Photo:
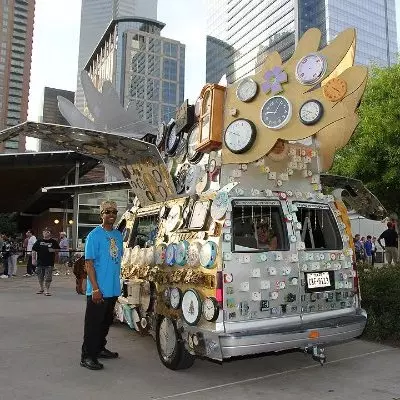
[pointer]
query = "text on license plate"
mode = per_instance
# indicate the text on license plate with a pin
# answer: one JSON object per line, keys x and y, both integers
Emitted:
{"x": 318, "y": 279}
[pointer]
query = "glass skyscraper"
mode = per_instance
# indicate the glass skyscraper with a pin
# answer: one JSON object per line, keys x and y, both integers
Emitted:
{"x": 96, "y": 15}
{"x": 245, "y": 31}
{"x": 16, "y": 34}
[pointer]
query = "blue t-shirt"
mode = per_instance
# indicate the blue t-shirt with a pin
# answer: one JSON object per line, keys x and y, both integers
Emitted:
{"x": 368, "y": 248}
{"x": 105, "y": 248}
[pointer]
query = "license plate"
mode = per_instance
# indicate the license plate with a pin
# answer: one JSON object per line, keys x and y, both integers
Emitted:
{"x": 318, "y": 280}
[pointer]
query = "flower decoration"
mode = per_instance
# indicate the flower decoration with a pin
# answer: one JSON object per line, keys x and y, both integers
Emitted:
{"x": 273, "y": 79}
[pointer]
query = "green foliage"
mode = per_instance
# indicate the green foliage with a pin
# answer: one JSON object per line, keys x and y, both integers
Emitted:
{"x": 8, "y": 224}
{"x": 373, "y": 153}
{"x": 380, "y": 291}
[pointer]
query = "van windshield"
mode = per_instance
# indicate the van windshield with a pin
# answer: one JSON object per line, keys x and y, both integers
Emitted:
{"x": 145, "y": 231}
{"x": 319, "y": 229}
{"x": 258, "y": 226}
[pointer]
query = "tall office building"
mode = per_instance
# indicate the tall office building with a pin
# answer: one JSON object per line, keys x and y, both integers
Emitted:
{"x": 16, "y": 34}
{"x": 145, "y": 68}
{"x": 96, "y": 15}
{"x": 251, "y": 29}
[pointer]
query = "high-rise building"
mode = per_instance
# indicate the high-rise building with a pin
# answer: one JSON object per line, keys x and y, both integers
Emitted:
{"x": 16, "y": 34}
{"x": 251, "y": 29}
{"x": 51, "y": 113}
{"x": 145, "y": 68}
{"x": 96, "y": 15}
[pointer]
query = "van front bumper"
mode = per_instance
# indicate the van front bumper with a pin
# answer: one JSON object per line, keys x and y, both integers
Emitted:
{"x": 322, "y": 332}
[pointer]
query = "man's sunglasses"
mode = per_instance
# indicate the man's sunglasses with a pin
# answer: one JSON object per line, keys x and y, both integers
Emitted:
{"x": 115, "y": 212}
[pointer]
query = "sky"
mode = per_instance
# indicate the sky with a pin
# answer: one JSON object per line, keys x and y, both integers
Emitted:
{"x": 56, "y": 44}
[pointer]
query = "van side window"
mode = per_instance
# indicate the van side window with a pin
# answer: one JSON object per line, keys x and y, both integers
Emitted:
{"x": 319, "y": 229}
{"x": 258, "y": 226}
{"x": 144, "y": 231}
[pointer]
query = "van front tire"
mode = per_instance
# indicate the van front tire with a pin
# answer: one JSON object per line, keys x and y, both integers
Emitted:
{"x": 170, "y": 346}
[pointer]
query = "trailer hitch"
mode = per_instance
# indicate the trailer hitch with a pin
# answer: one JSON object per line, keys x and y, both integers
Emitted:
{"x": 317, "y": 353}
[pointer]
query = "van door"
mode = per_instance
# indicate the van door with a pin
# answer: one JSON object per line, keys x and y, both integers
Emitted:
{"x": 326, "y": 273}
{"x": 260, "y": 265}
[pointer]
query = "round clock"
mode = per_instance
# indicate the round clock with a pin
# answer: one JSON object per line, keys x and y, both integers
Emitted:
{"x": 175, "y": 298}
{"x": 240, "y": 135}
{"x": 191, "y": 307}
{"x": 246, "y": 90}
{"x": 193, "y": 156}
{"x": 311, "y": 68}
{"x": 167, "y": 296}
{"x": 208, "y": 254}
{"x": 219, "y": 205}
{"x": 174, "y": 218}
{"x": 194, "y": 254}
{"x": 210, "y": 309}
{"x": 134, "y": 255}
{"x": 160, "y": 254}
{"x": 335, "y": 89}
{"x": 180, "y": 179}
{"x": 149, "y": 256}
{"x": 311, "y": 112}
{"x": 181, "y": 252}
{"x": 170, "y": 254}
{"x": 172, "y": 140}
{"x": 162, "y": 130}
{"x": 203, "y": 182}
{"x": 276, "y": 112}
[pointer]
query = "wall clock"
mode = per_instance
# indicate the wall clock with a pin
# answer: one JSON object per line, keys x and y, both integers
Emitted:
{"x": 208, "y": 254}
{"x": 219, "y": 205}
{"x": 311, "y": 68}
{"x": 214, "y": 164}
{"x": 174, "y": 218}
{"x": 210, "y": 309}
{"x": 246, "y": 90}
{"x": 311, "y": 112}
{"x": 180, "y": 179}
{"x": 193, "y": 155}
{"x": 199, "y": 214}
{"x": 181, "y": 151}
{"x": 202, "y": 182}
{"x": 240, "y": 135}
{"x": 175, "y": 298}
{"x": 160, "y": 254}
{"x": 172, "y": 140}
{"x": 170, "y": 254}
{"x": 181, "y": 252}
{"x": 162, "y": 130}
{"x": 194, "y": 254}
{"x": 335, "y": 89}
{"x": 276, "y": 112}
{"x": 192, "y": 175}
{"x": 191, "y": 307}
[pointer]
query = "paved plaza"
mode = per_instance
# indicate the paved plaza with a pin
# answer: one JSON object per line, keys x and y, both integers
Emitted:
{"x": 40, "y": 339}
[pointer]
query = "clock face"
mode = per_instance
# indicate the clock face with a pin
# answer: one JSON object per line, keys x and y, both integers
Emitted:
{"x": 210, "y": 309}
{"x": 219, "y": 205}
{"x": 194, "y": 254}
{"x": 199, "y": 214}
{"x": 202, "y": 182}
{"x": 191, "y": 307}
{"x": 310, "y": 69}
{"x": 193, "y": 140}
{"x": 174, "y": 218}
{"x": 181, "y": 252}
{"x": 208, "y": 254}
{"x": 175, "y": 298}
{"x": 162, "y": 128}
{"x": 335, "y": 89}
{"x": 192, "y": 175}
{"x": 276, "y": 112}
{"x": 311, "y": 112}
{"x": 246, "y": 90}
{"x": 240, "y": 135}
{"x": 170, "y": 254}
{"x": 172, "y": 140}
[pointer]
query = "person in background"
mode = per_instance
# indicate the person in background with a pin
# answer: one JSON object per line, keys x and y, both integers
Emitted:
{"x": 5, "y": 251}
{"x": 64, "y": 253}
{"x": 43, "y": 256}
{"x": 103, "y": 253}
{"x": 373, "y": 250}
{"x": 12, "y": 260}
{"x": 390, "y": 236}
{"x": 368, "y": 249}
{"x": 30, "y": 268}
{"x": 359, "y": 249}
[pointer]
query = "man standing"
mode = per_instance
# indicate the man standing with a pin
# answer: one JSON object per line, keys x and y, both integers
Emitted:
{"x": 390, "y": 248}
{"x": 30, "y": 268}
{"x": 359, "y": 248}
{"x": 43, "y": 256}
{"x": 368, "y": 249}
{"x": 103, "y": 253}
{"x": 6, "y": 253}
{"x": 64, "y": 252}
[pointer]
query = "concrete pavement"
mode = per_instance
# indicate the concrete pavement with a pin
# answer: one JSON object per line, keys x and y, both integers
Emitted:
{"x": 40, "y": 339}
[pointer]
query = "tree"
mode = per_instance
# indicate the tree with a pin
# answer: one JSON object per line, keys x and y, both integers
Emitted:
{"x": 373, "y": 153}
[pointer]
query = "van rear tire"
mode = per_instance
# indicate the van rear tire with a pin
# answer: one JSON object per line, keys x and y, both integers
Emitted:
{"x": 170, "y": 346}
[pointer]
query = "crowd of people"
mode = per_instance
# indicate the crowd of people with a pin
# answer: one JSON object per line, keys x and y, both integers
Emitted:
{"x": 366, "y": 248}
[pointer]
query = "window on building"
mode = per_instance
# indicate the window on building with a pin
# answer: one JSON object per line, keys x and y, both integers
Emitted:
{"x": 170, "y": 69}
{"x": 170, "y": 49}
{"x": 169, "y": 93}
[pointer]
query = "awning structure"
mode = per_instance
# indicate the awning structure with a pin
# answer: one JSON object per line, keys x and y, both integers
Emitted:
{"x": 87, "y": 188}
{"x": 24, "y": 174}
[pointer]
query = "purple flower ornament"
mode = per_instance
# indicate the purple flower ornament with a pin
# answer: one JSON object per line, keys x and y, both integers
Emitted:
{"x": 273, "y": 79}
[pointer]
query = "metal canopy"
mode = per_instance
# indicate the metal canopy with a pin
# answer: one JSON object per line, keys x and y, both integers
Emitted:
{"x": 87, "y": 187}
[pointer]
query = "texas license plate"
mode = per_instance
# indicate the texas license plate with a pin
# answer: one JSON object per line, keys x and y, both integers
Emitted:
{"x": 318, "y": 280}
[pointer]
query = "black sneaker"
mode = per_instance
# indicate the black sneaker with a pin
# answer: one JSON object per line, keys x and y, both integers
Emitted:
{"x": 92, "y": 364}
{"x": 105, "y": 353}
